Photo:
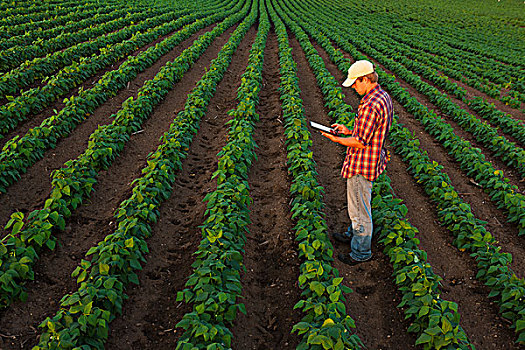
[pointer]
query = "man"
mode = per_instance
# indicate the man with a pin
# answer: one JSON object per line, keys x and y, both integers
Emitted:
{"x": 365, "y": 159}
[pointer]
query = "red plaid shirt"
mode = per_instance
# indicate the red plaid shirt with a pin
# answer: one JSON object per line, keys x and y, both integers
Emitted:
{"x": 372, "y": 123}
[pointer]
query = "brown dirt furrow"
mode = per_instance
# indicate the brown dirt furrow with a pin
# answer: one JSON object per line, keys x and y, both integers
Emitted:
{"x": 41, "y": 83}
{"x": 373, "y": 303}
{"x": 511, "y": 173}
{"x": 484, "y": 326}
{"x": 59, "y": 104}
{"x": 30, "y": 192}
{"x": 461, "y": 104}
{"x": 151, "y": 313}
{"x": 481, "y": 204}
{"x": 269, "y": 284}
{"x": 472, "y": 92}
{"x": 94, "y": 220}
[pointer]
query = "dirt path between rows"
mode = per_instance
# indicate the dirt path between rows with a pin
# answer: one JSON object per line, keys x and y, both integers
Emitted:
{"x": 481, "y": 204}
{"x": 269, "y": 283}
{"x": 484, "y": 326}
{"x": 94, "y": 220}
{"x": 31, "y": 190}
{"x": 373, "y": 303}
{"x": 151, "y": 313}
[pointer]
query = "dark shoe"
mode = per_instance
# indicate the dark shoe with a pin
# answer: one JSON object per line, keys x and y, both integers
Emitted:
{"x": 348, "y": 260}
{"x": 342, "y": 237}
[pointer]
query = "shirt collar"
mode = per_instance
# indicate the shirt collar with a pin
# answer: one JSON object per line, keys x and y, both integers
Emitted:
{"x": 370, "y": 93}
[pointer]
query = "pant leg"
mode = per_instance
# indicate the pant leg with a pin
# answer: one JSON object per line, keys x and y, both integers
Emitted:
{"x": 359, "y": 195}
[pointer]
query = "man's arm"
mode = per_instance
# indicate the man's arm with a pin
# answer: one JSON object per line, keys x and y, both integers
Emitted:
{"x": 345, "y": 141}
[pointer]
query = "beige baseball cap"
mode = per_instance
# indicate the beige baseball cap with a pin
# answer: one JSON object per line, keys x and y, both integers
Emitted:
{"x": 356, "y": 70}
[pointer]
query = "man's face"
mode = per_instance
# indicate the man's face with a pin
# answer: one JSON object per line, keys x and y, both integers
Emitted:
{"x": 359, "y": 86}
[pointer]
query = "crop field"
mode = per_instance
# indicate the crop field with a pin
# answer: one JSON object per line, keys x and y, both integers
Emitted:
{"x": 161, "y": 188}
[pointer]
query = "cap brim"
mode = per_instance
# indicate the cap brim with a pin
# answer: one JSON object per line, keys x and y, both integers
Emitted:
{"x": 349, "y": 82}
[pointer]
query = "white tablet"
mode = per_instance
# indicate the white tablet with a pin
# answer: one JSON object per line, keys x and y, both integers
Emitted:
{"x": 322, "y": 127}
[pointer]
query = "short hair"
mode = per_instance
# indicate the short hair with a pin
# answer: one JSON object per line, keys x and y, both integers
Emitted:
{"x": 373, "y": 77}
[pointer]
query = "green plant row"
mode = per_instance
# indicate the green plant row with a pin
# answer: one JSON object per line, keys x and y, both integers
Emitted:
{"x": 489, "y": 111}
{"x": 325, "y": 324}
{"x": 472, "y": 161}
{"x": 30, "y": 71}
{"x": 511, "y": 154}
{"x": 36, "y": 99}
{"x": 21, "y": 152}
{"x": 34, "y": 21}
{"x": 84, "y": 315}
{"x": 473, "y": 66}
{"x": 13, "y": 57}
{"x": 215, "y": 284}
{"x": 436, "y": 321}
{"x": 87, "y": 19}
{"x": 484, "y": 63}
{"x": 493, "y": 266}
{"x": 427, "y": 314}
{"x": 73, "y": 183}
{"x": 26, "y": 8}
{"x": 471, "y": 235}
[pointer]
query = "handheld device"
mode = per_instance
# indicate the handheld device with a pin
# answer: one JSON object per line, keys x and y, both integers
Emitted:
{"x": 323, "y": 128}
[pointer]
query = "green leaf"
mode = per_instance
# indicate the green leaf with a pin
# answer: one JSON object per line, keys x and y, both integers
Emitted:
{"x": 87, "y": 308}
{"x": 446, "y": 326}
{"x": 520, "y": 325}
{"x": 103, "y": 269}
{"x": 129, "y": 243}
{"x": 337, "y": 281}
{"x": 16, "y": 227}
{"x": 423, "y": 338}
{"x": 82, "y": 276}
{"x": 424, "y": 310}
{"x": 318, "y": 288}
{"x": 108, "y": 284}
{"x": 133, "y": 278}
{"x": 50, "y": 244}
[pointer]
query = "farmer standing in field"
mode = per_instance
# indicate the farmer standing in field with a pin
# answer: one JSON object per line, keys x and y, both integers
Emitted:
{"x": 366, "y": 157}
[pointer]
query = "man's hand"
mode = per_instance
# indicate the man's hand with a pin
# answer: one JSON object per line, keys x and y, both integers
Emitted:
{"x": 345, "y": 141}
{"x": 341, "y": 129}
{"x": 330, "y": 136}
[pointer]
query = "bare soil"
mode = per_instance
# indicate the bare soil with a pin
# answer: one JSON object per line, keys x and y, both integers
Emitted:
{"x": 270, "y": 287}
